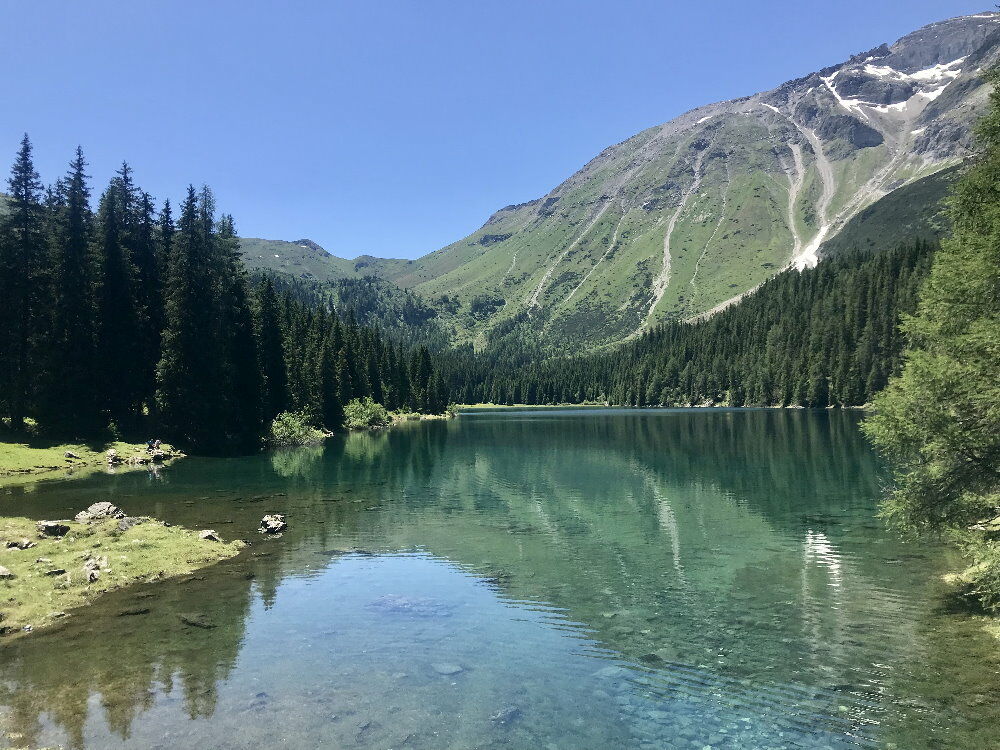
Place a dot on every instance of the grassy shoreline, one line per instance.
(43, 578)
(26, 458)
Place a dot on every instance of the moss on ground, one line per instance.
(25, 458)
(38, 596)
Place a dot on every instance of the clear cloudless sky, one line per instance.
(393, 127)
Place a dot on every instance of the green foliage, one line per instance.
(822, 337)
(939, 421)
(293, 428)
(124, 319)
(365, 412)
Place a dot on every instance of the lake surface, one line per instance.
(553, 579)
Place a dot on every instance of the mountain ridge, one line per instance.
(685, 217)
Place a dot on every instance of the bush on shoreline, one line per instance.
(294, 428)
(365, 412)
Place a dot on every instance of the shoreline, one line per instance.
(27, 459)
(50, 569)
(587, 405)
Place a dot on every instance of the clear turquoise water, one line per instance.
(540, 579)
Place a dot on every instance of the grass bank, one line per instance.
(43, 578)
(25, 458)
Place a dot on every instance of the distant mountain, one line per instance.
(314, 274)
(685, 217)
(302, 259)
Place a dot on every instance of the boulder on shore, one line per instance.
(5, 572)
(209, 535)
(100, 510)
(273, 523)
(52, 528)
(127, 522)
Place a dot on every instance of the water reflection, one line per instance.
(611, 579)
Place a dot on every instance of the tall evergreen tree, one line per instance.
(189, 374)
(939, 420)
(241, 362)
(271, 351)
(22, 262)
(68, 398)
(119, 330)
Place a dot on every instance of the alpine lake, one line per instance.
(552, 579)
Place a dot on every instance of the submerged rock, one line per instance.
(98, 511)
(5, 572)
(506, 715)
(52, 528)
(447, 669)
(415, 606)
(197, 620)
(273, 523)
(133, 611)
(20, 544)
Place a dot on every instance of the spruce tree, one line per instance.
(119, 332)
(68, 397)
(189, 374)
(271, 352)
(939, 419)
(22, 264)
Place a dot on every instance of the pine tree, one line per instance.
(22, 263)
(68, 398)
(190, 373)
(271, 352)
(119, 332)
(242, 378)
(939, 420)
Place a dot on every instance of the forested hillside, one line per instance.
(825, 336)
(127, 318)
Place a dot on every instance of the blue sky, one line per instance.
(393, 128)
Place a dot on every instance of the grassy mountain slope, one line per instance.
(303, 259)
(913, 211)
(682, 217)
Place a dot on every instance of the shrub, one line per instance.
(294, 428)
(365, 412)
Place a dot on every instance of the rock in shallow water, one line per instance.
(197, 620)
(414, 606)
(506, 715)
(273, 523)
(447, 669)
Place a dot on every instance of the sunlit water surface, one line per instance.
(522, 579)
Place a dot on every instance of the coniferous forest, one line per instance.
(826, 336)
(129, 318)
